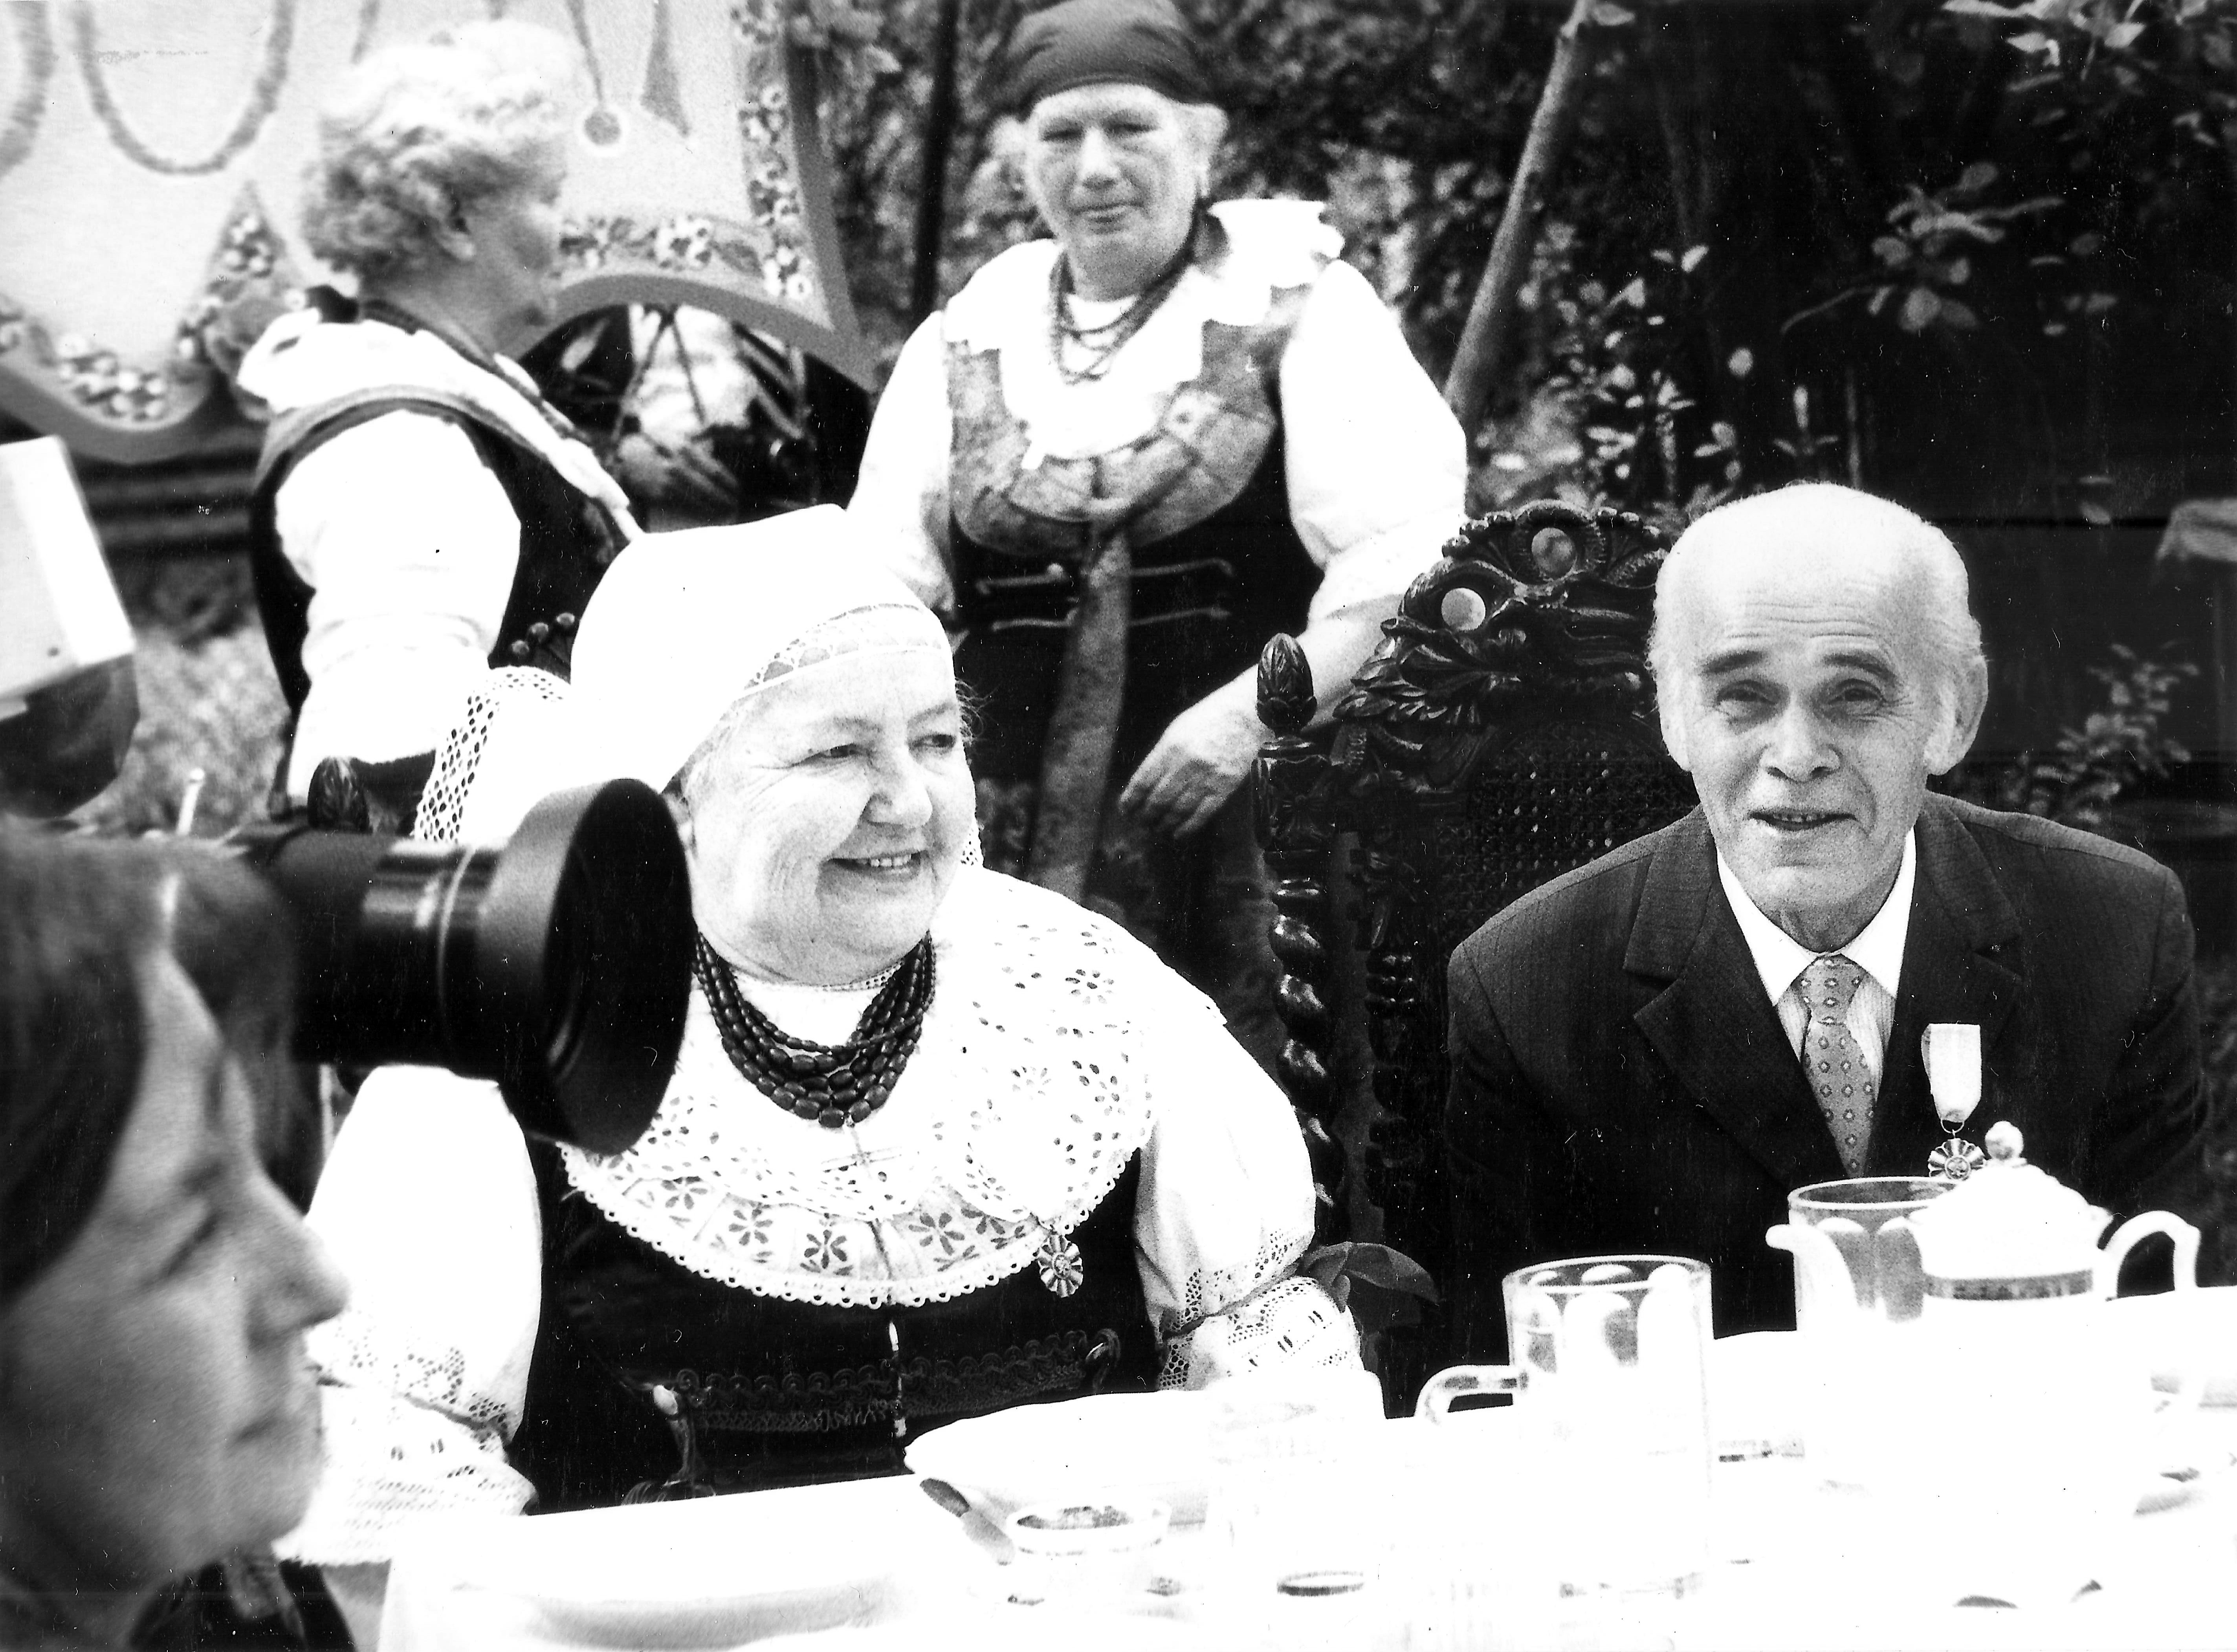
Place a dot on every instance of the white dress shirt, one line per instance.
(1780, 960)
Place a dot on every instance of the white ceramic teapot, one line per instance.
(2013, 1237)
(2011, 1328)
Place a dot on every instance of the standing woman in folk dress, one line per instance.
(1122, 458)
(421, 513)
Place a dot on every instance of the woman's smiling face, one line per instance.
(826, 825)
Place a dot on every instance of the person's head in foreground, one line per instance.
(438, 177)
(1117, 134)
(1817, 661)
(156, 1410)
(798, 704)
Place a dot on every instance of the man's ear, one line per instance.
(1961, 720)
(1673, 726)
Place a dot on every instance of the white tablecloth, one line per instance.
(861, 1567)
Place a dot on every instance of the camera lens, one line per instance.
(558, 966)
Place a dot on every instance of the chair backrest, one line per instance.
(1502, 733)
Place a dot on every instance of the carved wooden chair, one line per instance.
(1503, 732)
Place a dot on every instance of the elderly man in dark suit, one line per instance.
(1650, 1053)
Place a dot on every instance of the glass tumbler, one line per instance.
(1608, 1373)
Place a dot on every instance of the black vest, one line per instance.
(566, 537)
(757, 1392)
(1217, 567)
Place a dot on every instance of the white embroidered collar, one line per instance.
(1013, 1121)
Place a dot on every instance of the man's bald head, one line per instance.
(1816, 663)
(1844, 532)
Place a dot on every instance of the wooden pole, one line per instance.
(1491, 316)
(932, 182)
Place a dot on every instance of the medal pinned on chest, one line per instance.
(1951, 1051)
(1062, 1267)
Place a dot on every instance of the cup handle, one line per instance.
(2124, 1239)
(1457, 1381)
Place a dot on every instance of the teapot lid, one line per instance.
(2008, 1219)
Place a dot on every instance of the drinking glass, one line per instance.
(1868, 1221)
(1607, 1372)
(1858, 1287)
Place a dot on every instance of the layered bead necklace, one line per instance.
(1102, 342)
(833, 1085)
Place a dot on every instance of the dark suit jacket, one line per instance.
(1621, 1082)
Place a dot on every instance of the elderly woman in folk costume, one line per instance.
(938, 1142)
(421, 513)
(1121, 459)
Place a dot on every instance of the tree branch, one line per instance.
(1491, 317)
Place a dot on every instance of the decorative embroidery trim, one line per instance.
(1220, 1290)
(890, 628)
(449, 785)
(920, 1204)
(1291, 1324)
(730, 1401)
(356, 1351)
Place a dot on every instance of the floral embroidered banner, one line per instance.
(151, 153)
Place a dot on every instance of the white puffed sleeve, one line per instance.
(899, 507)
(409, 544)
(1376, 464)
(1224, 1210)
(428, 1206)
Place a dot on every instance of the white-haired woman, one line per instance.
(938, 1142)
(420, 512)
(1122, 458)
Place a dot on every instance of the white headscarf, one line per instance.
(684, 625)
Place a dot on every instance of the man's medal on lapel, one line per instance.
(1952, 1051)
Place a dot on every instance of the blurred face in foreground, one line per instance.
(825, 827)
(1804, 695)
(156, 1406)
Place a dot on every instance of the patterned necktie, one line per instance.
(1832, 1059)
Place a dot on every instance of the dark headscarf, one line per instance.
(1085, 43)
